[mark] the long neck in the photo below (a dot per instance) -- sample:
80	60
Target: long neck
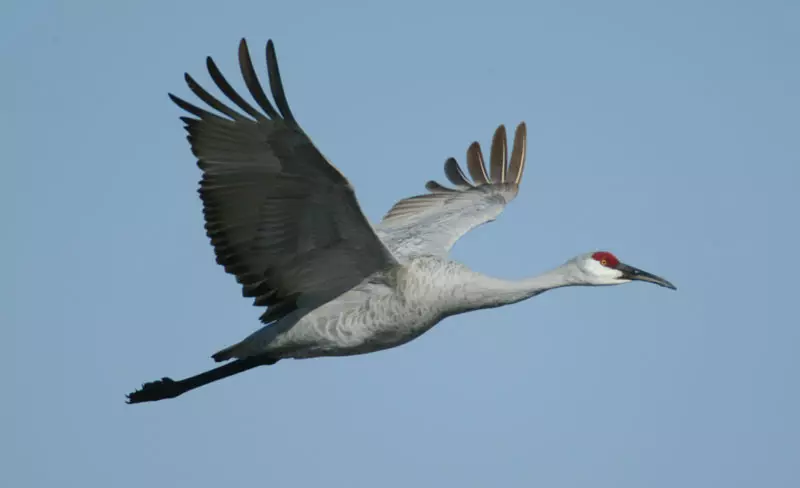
486	292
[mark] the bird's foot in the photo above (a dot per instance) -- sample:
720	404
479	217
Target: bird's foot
156	390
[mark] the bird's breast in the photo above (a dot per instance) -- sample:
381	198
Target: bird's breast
406	303
385	323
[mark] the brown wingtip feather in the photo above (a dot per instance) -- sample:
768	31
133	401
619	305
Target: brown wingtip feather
475	164
502	169
516	164
498	159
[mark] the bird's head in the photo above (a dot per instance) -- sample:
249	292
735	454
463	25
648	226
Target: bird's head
603	268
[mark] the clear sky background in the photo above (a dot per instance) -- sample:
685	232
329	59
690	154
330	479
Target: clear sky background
666	132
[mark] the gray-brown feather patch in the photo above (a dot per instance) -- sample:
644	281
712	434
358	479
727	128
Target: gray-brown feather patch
475	164
517	162
453	172
498	158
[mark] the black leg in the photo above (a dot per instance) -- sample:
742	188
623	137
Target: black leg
168	388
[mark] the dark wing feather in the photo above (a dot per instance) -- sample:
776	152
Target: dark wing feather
517	163
453	172
280	217
498	158
475	164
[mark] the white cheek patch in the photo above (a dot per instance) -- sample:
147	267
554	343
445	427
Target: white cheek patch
600	271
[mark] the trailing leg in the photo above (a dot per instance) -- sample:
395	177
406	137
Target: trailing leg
168	388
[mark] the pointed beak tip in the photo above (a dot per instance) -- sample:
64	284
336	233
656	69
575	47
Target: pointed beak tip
636	274
661	282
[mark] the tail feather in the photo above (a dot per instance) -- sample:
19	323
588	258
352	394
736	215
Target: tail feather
225	354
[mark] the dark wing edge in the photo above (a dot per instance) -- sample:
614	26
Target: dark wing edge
225	156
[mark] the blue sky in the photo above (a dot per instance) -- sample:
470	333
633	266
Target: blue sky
666	132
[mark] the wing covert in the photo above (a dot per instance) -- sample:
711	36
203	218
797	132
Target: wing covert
432	223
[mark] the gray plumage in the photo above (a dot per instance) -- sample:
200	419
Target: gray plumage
286	223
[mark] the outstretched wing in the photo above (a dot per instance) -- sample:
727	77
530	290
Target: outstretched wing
280	217
432	223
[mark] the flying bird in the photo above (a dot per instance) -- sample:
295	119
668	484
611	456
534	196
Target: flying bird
287	224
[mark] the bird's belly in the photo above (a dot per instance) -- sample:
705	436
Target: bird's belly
371	326
392	334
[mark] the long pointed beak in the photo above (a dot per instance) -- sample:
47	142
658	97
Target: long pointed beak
635	274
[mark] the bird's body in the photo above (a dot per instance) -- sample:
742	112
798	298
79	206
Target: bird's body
286	223
386	310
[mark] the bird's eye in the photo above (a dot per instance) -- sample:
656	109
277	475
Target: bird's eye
604	262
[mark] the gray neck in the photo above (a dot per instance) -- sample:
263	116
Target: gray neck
486	292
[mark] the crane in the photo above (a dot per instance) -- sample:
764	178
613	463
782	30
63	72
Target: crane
286	223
